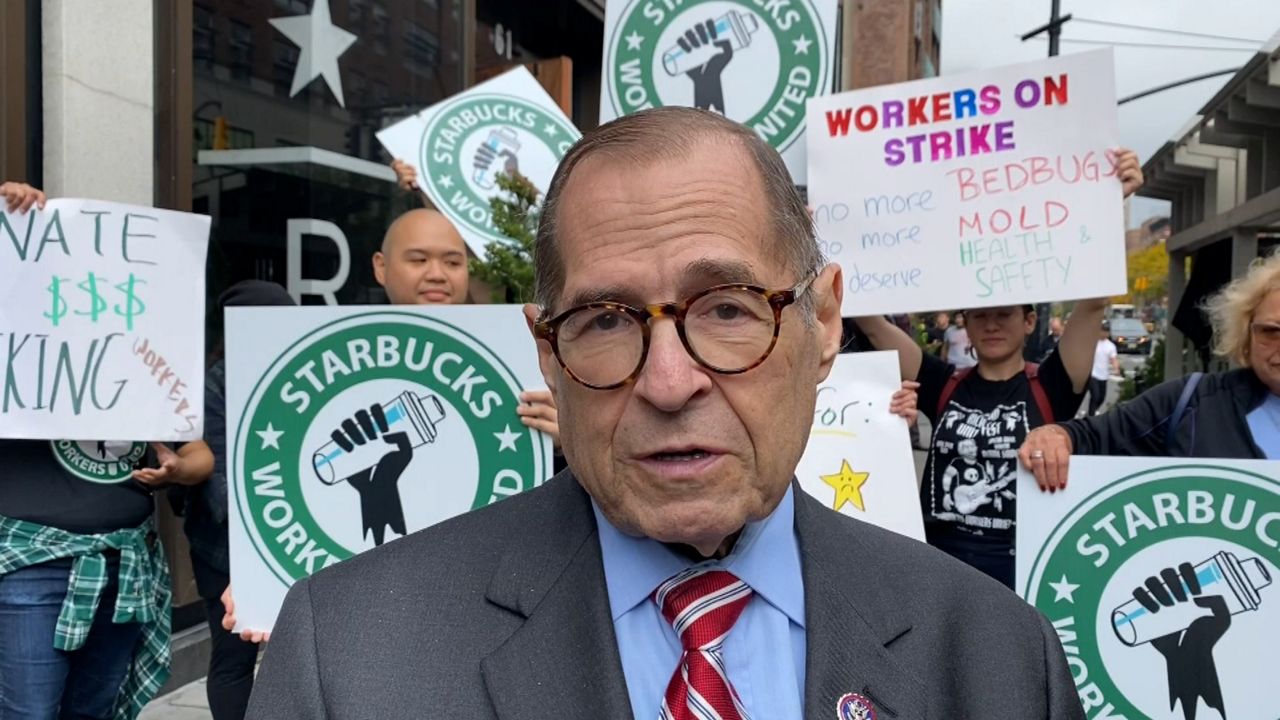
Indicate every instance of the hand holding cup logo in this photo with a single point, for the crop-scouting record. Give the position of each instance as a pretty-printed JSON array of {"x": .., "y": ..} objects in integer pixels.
[
  {"x": 757, "y": 63},
  {"x": 474, "y": 137},
  {"x": 403, "y": 416},
  {"x": 102, "y": 462},
  {"x": 1161, "y": 587}
]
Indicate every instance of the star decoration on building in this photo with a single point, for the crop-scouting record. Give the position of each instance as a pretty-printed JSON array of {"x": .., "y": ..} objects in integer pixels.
[
  {"x": 320, "y": 43},
  {"x": 848, "y": 486},
  {"x": 1064, "y": 590},
  {"x": 801, "y": 45},
  {"x": 550, "y": 129},
  {"x": 634, "y": 40},
  {"x": 507, "y": 439},
  {"x": 445, "y": 181},
  {"x": 270, "y": 437}
]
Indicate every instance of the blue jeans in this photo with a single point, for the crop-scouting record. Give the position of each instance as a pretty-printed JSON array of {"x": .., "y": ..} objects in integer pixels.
[{"x": 39, "y": 682}]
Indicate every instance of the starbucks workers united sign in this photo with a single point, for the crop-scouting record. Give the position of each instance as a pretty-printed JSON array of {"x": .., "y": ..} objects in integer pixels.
[
  {"x": 1159, "y": 577},
  {"x": 350, "y": 427},
  {"x": 460, "y": 145},
  {"x": 753, "y": 61}
]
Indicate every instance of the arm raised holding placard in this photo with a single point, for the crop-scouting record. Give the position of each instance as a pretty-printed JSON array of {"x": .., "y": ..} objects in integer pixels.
[
  {"x": 884, "y": 335},
  {"x": 21, "y": 197},
  {"x": 1080, "y": 336}
]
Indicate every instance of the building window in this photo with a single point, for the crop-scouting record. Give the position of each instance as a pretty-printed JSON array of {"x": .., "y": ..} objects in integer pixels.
[
  {"x": 381, "y": 30},
  {"x": 422, "y": 49},
  {"x": 240, "y": 44},
  {"x": 237, "y": 138},
  {"x": 203, "y": 42},
  {"x": 358, "y": 89},
  {"x": 284, "y": 58}
]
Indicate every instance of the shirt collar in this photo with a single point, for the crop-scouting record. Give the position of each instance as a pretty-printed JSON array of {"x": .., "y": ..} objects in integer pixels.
[{"x": 766, "y": 557}]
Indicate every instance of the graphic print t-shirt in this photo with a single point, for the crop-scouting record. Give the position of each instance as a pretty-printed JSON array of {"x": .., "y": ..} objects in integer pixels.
[
  {"x": 81, "y": 487},
  {"x": 970, "y": 477}
]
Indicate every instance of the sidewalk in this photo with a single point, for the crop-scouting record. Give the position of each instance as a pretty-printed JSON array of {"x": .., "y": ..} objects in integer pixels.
[{"x": 186, "y": 703}]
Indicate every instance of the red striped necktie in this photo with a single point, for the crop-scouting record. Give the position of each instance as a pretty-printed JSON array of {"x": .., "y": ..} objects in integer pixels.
[{"x": 702, "y": 605}]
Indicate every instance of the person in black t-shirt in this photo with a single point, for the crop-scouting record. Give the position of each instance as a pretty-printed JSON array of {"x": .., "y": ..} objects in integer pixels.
[
  {"x": 76, "y": 518},
  {"x": 982, "y": 415}
]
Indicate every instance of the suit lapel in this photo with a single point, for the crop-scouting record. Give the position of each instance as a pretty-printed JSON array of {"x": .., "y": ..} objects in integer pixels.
[
  {"x": 563, "y": 661},
  {"x": 850, "y": 617}
]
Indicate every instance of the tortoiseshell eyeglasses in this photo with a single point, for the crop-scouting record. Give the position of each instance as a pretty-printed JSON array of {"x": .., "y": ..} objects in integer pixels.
[{"x": 728, "y": 329}]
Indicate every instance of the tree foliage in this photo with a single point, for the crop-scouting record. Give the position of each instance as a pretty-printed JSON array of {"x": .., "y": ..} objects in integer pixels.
[
  {"x": 1148, "y": 275},
  {"x": 509, "y": 266}
]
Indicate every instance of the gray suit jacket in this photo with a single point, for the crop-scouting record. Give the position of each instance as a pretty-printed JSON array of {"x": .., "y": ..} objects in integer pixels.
[{"x": 503, "y": 613}]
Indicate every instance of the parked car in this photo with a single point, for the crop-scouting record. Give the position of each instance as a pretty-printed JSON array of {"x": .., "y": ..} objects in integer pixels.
[{"x": 1130, "y": 336}]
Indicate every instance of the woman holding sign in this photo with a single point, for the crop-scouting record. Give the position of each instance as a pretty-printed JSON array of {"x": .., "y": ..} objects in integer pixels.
[
  {"x": 981, "y": 415},
  {"x": 84, "y": 585},
  {"x": 1233, "y": 414}
]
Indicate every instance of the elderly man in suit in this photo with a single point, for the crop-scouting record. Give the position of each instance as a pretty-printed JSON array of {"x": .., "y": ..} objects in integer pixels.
[{"x": 676, "y": 570}]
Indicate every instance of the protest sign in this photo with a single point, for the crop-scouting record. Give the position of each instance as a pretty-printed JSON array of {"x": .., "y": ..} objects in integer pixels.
[
  {"x": 1159, "y": 576},
  {"x": 102, "y": 324},
  {"x": 459, "y": 146},
  {"x": 859, "y": 460},
  {"x": 753, "y": 62},
  {"x": 348, "y": 427},
  {"x": 988, "y": 188}
]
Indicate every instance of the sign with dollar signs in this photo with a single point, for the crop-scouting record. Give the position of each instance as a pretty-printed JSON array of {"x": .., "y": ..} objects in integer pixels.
[
  {"x": 459, "y": 146},
  {"x": 754, "y": 62},
  {"x": 350, "y": 427},
  {"x": 101, "y": 325},
  {"x": 1160, "y": 579}
]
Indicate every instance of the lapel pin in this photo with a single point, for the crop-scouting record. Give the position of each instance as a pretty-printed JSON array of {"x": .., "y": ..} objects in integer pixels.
[{"x": 853, "y": 706}]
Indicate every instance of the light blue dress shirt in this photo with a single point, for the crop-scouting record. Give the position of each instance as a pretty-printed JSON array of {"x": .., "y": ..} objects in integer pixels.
[
  {"x": 764, "y": 653},
  {"x": 1264, "y": 425}
]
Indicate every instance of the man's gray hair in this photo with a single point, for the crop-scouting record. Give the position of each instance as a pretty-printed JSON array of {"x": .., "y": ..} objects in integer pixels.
[{"x": 672, "y": 133}]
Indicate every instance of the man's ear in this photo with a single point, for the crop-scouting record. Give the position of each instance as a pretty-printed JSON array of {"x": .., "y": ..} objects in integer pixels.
[
  {"x": 1029, "y": 322},
  {"x": 380, "y": 268},
  {"x": 828, "y": 294},
  {"x": 546, "y": 356}
]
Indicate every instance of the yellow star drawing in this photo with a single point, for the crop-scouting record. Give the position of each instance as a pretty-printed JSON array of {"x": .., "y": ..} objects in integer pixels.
[{"x": 848, "y": 486}]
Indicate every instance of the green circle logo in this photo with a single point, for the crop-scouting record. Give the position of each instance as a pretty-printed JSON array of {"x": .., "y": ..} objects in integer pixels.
[
  {"x": 1162, "y": 588},
  {"x": 100, "y": 462},
  {"x": 714, "y": 54},
  {"x": 372, "y": 427},
  {"x": 474, "y": 138}
]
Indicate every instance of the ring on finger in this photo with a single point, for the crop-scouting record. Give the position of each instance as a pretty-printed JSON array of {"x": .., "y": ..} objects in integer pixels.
[{"x": 1037, "y": 454}]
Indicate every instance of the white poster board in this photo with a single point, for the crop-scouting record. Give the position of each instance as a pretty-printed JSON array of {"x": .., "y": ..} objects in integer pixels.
[
  {"x": 859, "y": 459},
  {"x": 988, "y": 188},
  {"x": 753, "y": 62},
  {"x": 348, "y": 427},
  {"x": 102, "y": 322},
  {"x": 460, "y": 145},
  {"x": 1160, "y": 573}
]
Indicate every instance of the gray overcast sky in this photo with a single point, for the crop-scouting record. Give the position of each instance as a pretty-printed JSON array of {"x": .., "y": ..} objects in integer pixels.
[{"x": 984, "y": 33}]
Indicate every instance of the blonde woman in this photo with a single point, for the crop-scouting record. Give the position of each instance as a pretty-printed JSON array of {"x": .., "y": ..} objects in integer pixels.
[{"x": 1234, "y": 414}]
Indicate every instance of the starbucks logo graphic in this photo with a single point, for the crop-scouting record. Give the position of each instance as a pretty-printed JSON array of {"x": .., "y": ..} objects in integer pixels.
[
  {"x": 370, "y": 428},
  {"x": 754, "y": 62},
  {"x": 474, "y": 138},
  {"x": 97, "y": 461},
  {"x": 1161, "y": 588}
]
